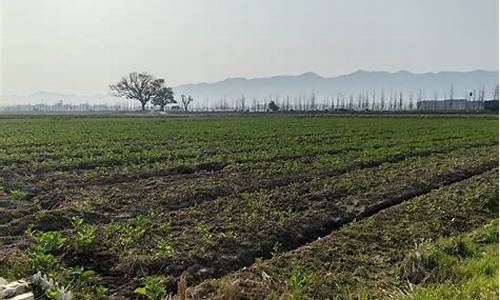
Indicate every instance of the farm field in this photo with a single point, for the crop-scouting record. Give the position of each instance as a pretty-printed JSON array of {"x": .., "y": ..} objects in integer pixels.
[{"x": 267, "y": 206}]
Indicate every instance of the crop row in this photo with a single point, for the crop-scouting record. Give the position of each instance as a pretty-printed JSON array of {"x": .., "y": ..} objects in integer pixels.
[
  {"x": 214, "y": 238},
  {"x": 171, "y": 193},
  {"x": 369, "y": 256},
  {"x": 131, "y": 197},
  {"x": 165, "y": 165},
  {"x": 214, "y": 142},
  {"x": 73, "y": 159},
  {"x": 119, "y": 201},
  {"x": 59, "y": 131},
  {"x": 71, "y": 141},
  {"x": 174, "y": 192},
  {"x": 71, "y": 138}
]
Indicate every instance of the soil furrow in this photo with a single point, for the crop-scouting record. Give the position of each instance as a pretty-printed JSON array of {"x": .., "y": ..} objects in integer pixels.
[
  {"x": 220, "y": 259},
  {"x": 308, "y": 232},
  {"x": 370, "y": 252}
]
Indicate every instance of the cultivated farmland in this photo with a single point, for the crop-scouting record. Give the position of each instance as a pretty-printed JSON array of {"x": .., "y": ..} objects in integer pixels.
[{"x": 285, "y": 206}]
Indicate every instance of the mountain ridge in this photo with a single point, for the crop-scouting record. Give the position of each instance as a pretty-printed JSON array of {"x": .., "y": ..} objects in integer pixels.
[
  {"x": 336, "y": 76},
  {"x": 359, "y": 81}
]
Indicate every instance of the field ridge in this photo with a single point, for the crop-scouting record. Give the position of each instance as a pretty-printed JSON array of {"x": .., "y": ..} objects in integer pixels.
[{"x": 266, "y": 275}]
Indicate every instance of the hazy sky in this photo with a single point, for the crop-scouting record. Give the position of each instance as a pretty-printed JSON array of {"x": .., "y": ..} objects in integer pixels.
[{"x": 81, "y": 46}]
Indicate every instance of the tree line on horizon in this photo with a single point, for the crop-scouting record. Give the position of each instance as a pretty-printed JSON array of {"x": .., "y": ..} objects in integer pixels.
[
  {"x": 364, "y": 101},
  {"x": 146, "y": 88}
]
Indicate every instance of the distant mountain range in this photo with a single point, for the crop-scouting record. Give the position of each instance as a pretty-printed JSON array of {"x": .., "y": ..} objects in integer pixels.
[
  {"x": 354, "y": 83},
  {"x": 304, "y": 85}
]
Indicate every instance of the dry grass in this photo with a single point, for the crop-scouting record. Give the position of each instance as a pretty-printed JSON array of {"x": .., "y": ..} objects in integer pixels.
[
  {"x": 415, "y": 267},
  {"x": 182, "y": 286},
  {"x": 228, "y": 290}
]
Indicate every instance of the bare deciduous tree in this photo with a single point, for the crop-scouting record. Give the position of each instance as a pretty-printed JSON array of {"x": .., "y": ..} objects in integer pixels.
[
  {"x": 139, "y": 86},
  {"x": 186, "y": 100},
  {"x": 273, "y": 106},
  {"x": 163, "y": 96},
  {"x": 382, "y": 100}
]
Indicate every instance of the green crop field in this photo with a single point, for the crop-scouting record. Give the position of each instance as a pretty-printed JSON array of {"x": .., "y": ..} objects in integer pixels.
[{"x": 251, "y": 207}]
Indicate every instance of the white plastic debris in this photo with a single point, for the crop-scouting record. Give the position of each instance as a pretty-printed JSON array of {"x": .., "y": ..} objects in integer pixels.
[{"x": 47, "y": 283}]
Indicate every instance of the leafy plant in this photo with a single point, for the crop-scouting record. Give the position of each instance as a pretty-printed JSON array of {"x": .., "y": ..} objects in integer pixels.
[
  {"x": 84, "y": 235},
  {"x": 17, "y": 194},
  {"x": 47, "y": 242},
  {"x": 204, "y": 231},
  {"x": 38, "y": 204},
  {"x": 164, "y": 248},
  {"x": 41, "y": 261},
  {"x": 127, "y": 234},
  {"x": 153, "y": 288},
  {"x": 41, "y": 252},
  {"x": 40, "y": 211},
  {"x": 80, "y": 274}
]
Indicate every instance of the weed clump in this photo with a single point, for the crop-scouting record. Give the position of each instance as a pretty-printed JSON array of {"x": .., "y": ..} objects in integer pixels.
[{"x": 461, "y": 267}]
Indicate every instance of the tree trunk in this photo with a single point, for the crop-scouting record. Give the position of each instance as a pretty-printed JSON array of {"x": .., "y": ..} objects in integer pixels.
[{"x": 143, "y": 106}]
